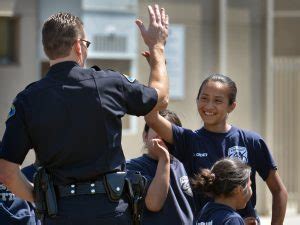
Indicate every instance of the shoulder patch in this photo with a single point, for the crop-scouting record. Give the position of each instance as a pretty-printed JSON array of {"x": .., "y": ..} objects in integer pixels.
[
  {"x": 12, "y": 111},
  {"x": 130, "y": 79}
]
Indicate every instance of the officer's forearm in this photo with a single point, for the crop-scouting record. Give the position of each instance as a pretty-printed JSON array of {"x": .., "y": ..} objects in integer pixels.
[
  {"x": 23, "y": 188},
  {"x": 158, "y": 76},
  {"x": 12, "y": 177}
]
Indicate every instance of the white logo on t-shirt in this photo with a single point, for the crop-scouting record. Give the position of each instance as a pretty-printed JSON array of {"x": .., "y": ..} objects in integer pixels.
[
  {"x": 200, "y": 155},
  {"x": 185, "y": 185},
  {"x": 238, "y": 152}
]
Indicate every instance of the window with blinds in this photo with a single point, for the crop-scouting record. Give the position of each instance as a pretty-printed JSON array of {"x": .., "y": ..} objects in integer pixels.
[{"x": 110, "y": 43}]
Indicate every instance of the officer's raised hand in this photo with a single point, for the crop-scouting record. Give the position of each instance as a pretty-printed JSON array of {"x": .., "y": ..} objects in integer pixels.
[
  {"x": 155, "y": 37},
  {"x": 157, "y": 32}
]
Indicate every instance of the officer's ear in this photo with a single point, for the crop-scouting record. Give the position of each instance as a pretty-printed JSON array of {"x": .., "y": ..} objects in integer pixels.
[{"x": 77, "y": 47}]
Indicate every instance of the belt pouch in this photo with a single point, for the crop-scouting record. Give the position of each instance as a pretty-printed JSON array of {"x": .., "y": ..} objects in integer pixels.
[{"x": 114, "y": 185}]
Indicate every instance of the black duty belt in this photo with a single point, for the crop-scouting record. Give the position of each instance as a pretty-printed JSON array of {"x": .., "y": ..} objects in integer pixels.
[{"x": 90, "y": 188}]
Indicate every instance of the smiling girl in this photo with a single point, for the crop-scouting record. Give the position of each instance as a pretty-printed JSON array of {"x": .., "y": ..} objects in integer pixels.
[{"x": 218, "y": 139}]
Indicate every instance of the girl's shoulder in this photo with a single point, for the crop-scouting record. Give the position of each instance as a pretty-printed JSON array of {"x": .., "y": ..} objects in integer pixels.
[
  {"x": 233, "y": 219},
  {"x": 252, "y": 135}
]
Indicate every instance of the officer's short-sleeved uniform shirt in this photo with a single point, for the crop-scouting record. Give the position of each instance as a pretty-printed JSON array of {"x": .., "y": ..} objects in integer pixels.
[
  {"x": 218, "y": 214},
  {"x": 16, "y": 211},
  {"x": 179, "y": 205},
  {"x": 72, "y": 119},
  {"x": 201, "y": 149}
]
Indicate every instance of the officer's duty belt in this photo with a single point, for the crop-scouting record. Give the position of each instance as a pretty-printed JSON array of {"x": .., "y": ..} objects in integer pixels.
[{"x": 96, "y": 187}]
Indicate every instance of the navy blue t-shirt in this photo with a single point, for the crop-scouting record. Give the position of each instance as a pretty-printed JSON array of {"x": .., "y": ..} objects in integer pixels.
[
  {"x": 179, "y": 205},
  {"x": 16, "y": 211},
  {"x": 218, "y": 214},
  {"x": 201, "y": 149},
  {"x": 72, "y": 120}
]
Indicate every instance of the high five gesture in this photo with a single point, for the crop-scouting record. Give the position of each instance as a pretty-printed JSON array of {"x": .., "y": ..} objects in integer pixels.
[{"x": 157, "y": 31}]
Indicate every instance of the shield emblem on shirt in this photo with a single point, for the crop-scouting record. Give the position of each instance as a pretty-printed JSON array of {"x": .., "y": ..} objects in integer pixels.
[
  {"x": 238, "y": 152},
  {"x": 185, "y": 185}
]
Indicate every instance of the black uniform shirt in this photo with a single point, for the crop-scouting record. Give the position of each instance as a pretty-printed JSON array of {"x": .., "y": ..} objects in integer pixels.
[{"x": 72, "y": 119}]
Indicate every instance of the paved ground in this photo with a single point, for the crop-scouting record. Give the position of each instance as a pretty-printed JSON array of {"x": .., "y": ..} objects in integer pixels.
[{"x": 289, "y": 220}]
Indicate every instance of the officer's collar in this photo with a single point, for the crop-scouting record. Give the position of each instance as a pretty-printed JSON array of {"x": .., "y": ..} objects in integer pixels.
[{"x": 66, "y": 65}]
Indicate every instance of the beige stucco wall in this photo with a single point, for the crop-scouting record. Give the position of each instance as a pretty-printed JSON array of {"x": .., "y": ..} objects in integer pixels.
[{"x": 14, "y": 78}]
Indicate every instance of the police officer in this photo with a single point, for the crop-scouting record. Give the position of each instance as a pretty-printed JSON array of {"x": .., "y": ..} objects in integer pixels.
[{"x": 72, "y": 119}]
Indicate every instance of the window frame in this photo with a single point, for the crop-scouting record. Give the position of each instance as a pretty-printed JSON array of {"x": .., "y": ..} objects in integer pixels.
[{"x": 12, "y": 54}]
